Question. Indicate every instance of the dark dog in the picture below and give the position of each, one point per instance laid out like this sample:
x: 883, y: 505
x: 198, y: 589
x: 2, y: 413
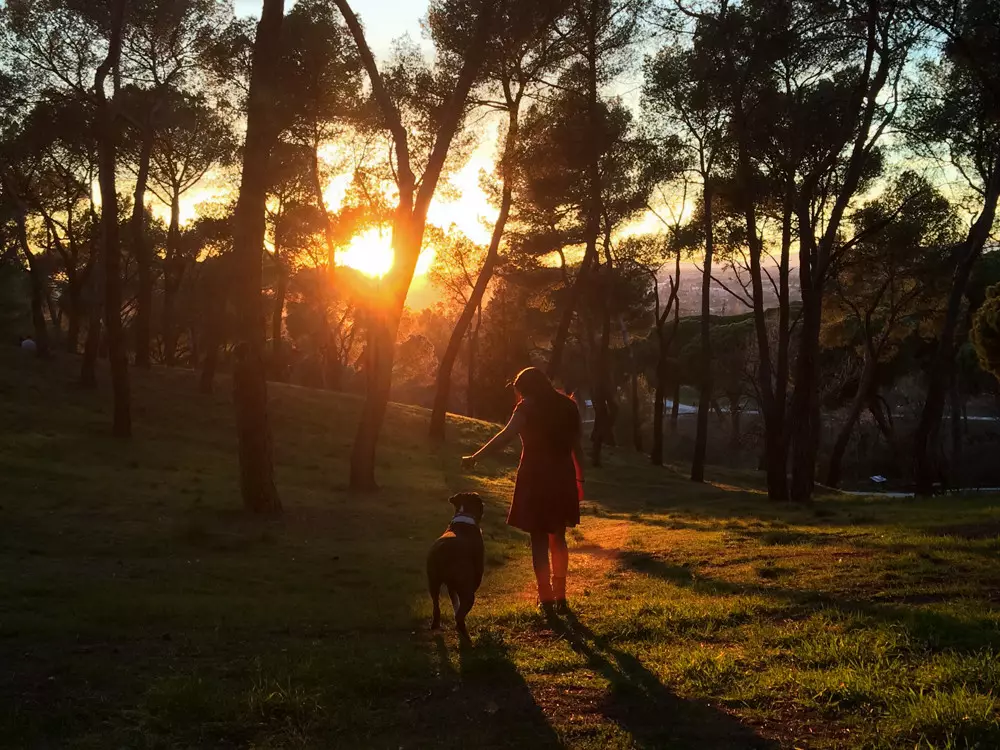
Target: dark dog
x: 456, y: 560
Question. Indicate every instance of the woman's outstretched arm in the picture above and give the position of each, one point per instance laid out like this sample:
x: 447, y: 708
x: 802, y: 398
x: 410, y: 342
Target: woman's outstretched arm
x: 499, y: 441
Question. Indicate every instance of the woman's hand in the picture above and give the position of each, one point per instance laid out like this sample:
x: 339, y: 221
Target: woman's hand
x: 468, y: 462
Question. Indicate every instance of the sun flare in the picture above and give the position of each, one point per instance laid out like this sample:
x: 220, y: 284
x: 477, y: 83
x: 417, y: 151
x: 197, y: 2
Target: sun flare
x: 371, y: 253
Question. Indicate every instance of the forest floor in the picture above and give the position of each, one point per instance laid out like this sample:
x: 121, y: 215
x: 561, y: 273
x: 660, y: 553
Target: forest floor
x: 141, y: 608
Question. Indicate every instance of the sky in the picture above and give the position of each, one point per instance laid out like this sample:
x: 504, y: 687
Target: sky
x: 384, y: 20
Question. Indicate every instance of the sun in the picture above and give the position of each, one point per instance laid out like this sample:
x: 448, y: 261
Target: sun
x: 371, y: 253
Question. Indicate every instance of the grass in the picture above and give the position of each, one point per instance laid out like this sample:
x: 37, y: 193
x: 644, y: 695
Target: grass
x: 141, y: 608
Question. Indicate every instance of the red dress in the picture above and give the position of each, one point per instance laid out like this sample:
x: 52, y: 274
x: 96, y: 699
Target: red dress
x: 546, y: 495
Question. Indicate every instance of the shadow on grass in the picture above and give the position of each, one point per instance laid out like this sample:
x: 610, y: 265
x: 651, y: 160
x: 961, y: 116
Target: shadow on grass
x: 491, y: 705
x: 640, y: 704
x: 935, y: 629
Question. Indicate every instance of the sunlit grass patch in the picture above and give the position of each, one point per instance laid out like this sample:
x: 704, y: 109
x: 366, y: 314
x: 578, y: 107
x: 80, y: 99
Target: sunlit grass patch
x: 957, y: 718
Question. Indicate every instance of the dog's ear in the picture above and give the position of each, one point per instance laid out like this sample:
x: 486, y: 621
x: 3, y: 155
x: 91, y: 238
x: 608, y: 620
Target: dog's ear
x: 456, y: 500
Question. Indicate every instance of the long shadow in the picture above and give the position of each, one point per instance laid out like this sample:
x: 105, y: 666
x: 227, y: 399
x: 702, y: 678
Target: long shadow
x: 489, y: 702
x: 640, y: 703
x: 937, y: 630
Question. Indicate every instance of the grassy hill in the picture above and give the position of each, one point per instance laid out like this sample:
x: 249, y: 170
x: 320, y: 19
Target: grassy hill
x: 139, y: 606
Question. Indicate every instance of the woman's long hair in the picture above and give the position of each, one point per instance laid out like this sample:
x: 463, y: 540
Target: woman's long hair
x: 557, y: 413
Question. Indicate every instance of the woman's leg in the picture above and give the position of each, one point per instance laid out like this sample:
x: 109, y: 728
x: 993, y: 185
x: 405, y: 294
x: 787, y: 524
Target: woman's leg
x: 560, y: 563
x: 540, y: 562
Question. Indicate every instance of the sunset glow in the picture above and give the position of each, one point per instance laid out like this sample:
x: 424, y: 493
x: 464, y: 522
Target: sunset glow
x: 371, y: 253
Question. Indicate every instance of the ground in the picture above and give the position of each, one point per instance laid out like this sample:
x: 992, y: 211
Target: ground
x: 140, y: 607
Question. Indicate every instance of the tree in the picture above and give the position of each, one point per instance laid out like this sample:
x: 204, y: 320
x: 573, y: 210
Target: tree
x: 164, y: 50
x: 809, y: 89
x: 597, y: 34
x: 954, y: 118
x: 294, y: 223
x: 520, y: 52
x: 191, y: 138
x: 75, y: 51
x: 658, y: 253
x: 320, y: 97
x: 888, y: 285
x: 328, y: 329
x: 842, y: 162
x: 986, y: 332
x: 554, y: 214
x: 107, y: 122
x: 680, y: 88
x: 458, y: 267
x: 18, y: 170
x: 410, y: 215
x: 63, y: 201
x: 259, y: 492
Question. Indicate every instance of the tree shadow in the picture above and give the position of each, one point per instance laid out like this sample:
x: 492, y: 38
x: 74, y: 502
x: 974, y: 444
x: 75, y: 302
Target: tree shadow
x: 935, y: 629
x: 640, y: 703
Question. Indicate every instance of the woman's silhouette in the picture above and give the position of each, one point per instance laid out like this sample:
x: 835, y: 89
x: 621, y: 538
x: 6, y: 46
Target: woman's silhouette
x: 549, y: 478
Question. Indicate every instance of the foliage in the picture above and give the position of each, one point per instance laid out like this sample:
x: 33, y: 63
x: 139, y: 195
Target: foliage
x: 986, y: 332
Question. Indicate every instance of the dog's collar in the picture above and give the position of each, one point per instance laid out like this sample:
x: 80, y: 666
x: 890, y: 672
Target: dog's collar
x: 464, y: 518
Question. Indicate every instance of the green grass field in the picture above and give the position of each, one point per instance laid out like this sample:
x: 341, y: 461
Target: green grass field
x: 140, y: 607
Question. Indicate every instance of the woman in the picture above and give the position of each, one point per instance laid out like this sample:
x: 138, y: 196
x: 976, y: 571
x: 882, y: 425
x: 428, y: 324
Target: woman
x: 549, y: 478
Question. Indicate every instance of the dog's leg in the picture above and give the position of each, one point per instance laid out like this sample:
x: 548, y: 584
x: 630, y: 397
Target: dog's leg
x: 463, y: 609
x: 456, y: 603
x: 435, y: 589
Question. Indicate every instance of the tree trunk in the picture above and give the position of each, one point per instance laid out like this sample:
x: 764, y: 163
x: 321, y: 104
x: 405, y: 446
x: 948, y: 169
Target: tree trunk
x: 218, y: 294
x: 470, y: 389
x: 636, y: 415
x: 107, y: 174
x: 861, y: 399
x: 926, y: 449
x: 88, y: 365
x: 41, y: 334
x: 249, y: 382
x: 659, y: 405
x: 141, y: 251
x: 408, y: 227
x: 475, y: 301
x: 593, y: 208
x: 570, y: 304
x: 55, y: 316
x: 805, y: 403
x: 705, y: 379
x: 381, y: 346
x: 75, y: 311
x: 329, y: 236
x: 603, y: 416
x: 206, y: 383
x: 91, y: 345
x: 735, y: 413
x: 277, y: 323
x: 956, y: 475
x: 172, y: 271
x: 91, y: 349
x: 675, y: 406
